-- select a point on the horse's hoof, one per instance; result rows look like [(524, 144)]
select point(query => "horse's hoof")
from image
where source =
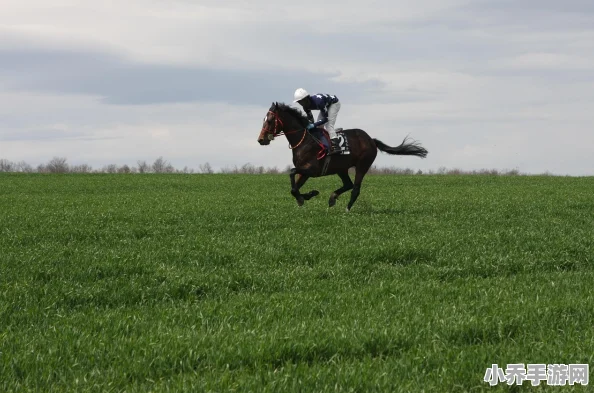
[(348, 210), (332, 200), (314, 193)]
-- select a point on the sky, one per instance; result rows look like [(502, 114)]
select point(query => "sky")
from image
[(482, 84)]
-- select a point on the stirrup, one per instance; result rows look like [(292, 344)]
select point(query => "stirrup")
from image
[(334, 146)]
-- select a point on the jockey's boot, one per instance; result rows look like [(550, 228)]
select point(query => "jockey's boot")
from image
[(334, 146)]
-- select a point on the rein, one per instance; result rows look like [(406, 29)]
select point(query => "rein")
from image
[(281, 132)]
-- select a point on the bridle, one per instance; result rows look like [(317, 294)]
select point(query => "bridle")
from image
[(280, 131)]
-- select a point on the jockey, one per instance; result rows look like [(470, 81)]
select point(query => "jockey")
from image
[(328, 106)]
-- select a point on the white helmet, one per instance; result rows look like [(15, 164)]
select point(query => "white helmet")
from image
[(300, 94)]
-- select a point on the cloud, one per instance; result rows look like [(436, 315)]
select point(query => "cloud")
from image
[(511, 6), (481, 83), (122, 82), (55, 133)]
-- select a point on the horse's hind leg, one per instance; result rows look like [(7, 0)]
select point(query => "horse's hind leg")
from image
[(359, 175), (347, 184)]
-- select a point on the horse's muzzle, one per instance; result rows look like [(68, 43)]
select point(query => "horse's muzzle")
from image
[(264, 141)]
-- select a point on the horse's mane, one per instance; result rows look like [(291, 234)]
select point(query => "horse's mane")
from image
[(296, 113)]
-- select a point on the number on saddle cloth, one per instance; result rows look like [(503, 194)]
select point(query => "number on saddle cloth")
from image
[(343, 142)]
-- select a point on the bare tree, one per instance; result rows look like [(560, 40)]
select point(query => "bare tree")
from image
[(159, 165), (111, 168), (248, 169), (57, 165), (162, 166), (206, 168), (143, 167), (60, 165), (6, 166), (124, 169), (22, 166), (83, 168)]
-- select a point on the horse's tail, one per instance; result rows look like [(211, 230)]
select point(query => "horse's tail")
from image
[(406, 148)]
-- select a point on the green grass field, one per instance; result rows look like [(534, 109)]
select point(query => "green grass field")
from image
[(221, 283)]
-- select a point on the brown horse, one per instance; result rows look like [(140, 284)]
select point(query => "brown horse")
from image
[(283, 119)]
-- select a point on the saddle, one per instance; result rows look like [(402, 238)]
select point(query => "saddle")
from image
[(323, 139)]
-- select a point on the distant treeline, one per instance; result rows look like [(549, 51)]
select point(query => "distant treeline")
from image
[(160, 165)]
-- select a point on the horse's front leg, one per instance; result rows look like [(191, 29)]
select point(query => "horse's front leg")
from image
[(297, 184)]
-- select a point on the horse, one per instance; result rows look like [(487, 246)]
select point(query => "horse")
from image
[(309, 155)]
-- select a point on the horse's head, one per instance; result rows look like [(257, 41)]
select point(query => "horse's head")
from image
[(277, 118), (272, 125)]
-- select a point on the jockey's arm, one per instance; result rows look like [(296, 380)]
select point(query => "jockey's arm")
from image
[(324, 118)]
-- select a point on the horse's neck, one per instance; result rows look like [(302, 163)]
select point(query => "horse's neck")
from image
[(293, 130)]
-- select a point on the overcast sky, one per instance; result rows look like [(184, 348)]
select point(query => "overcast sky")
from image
[(480, 83)]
